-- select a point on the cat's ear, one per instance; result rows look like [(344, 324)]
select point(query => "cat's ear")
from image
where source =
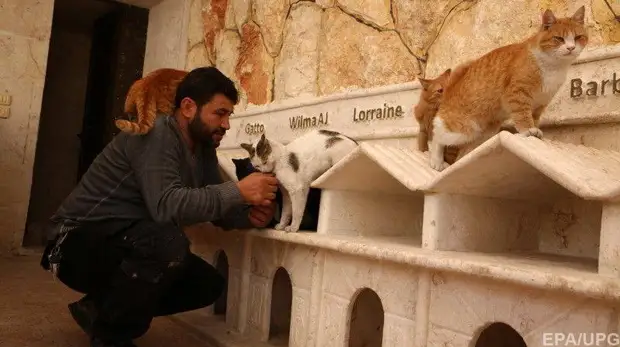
[(262, 142), (548, 19), (446, 73), (425, 83), (247, 147), (263, 147), (579, 15)]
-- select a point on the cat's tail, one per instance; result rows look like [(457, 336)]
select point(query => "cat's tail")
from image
[(349, 138), (130, 100), (131, 127), (138, 102)]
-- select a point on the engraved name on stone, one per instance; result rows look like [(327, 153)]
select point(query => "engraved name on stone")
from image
[(254, 128), (303, 122), (593, 88), (385, 113)]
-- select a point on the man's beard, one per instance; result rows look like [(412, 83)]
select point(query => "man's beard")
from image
[(200, 133)]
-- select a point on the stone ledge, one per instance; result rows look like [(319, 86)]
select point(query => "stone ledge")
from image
[(541, 271), (346, 94), (599, 53)]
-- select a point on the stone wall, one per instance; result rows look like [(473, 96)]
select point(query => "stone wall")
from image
[(25, 27), (167, 22), (280, 49)]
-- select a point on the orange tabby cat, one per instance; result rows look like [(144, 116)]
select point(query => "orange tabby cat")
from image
[(427, 106), (425, 110), (148, 96), (511, 84)]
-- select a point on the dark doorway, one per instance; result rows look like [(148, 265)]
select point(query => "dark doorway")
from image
[(96, 51), (281, 305), (498, 334), (117, 56), (366, 322)]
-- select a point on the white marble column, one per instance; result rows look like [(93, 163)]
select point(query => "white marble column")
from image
[(609, 254)]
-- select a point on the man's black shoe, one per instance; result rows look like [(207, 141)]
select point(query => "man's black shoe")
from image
[(84, 313)]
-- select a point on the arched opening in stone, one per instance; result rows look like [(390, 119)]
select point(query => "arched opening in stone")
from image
[(221, 265), (498, 334), (281, 303), (366, 320)]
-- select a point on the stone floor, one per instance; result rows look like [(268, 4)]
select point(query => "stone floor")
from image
[(33, 312)]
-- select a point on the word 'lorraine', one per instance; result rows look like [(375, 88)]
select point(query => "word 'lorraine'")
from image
[(387, 112)]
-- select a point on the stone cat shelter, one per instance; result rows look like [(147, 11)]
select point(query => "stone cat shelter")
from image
[(519, 238)]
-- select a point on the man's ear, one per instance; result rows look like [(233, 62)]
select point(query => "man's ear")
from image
[(188, 108)]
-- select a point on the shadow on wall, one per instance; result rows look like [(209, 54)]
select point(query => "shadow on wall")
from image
[(498, 334), (366, 329), (221, 265), (281, 302)]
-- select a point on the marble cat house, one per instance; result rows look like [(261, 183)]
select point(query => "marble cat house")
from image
[(520, 239)]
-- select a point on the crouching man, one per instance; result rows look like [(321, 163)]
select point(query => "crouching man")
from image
[(118, 237)]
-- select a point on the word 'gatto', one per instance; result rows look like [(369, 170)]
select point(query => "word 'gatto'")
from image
[(254, 128), (612, 86), (301, 122), (387, 112)]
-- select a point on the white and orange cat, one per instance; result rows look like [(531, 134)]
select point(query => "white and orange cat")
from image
[(512, 84), (426, 108)]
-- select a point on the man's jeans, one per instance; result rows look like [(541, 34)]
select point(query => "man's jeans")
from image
[(132, 271)]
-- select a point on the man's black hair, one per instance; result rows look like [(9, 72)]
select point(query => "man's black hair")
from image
[(202, 83)]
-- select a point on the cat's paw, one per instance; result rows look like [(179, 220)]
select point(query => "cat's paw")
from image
[(509, 128), (280, 226), (439, 165), (535, 132), (291, 229)]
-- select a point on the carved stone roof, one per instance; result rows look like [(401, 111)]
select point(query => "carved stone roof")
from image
[(505, 166)]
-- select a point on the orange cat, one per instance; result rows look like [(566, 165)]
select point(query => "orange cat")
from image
[(425, 110), (512, 84), (148, 96)]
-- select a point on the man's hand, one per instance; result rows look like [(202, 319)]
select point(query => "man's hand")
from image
[(260, 216), (258, 189)]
